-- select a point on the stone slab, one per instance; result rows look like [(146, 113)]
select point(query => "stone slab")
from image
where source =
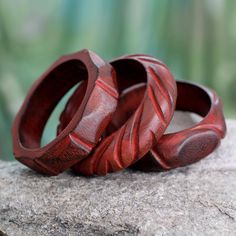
[(195, 200)]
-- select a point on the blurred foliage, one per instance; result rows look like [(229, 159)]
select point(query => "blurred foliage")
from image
[(195, 38)]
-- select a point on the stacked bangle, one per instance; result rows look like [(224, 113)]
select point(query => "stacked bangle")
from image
[(186, 146), (145, 126), (77, 139)]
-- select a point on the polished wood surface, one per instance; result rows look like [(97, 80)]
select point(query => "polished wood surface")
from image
[(83, 130)]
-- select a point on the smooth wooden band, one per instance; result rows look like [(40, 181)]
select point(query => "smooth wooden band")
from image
[(82, 132)]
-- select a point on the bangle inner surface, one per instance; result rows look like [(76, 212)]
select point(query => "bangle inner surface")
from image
[(193, 99), (45, 98)]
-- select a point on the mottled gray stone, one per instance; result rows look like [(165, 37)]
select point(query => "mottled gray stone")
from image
[(195, 200)]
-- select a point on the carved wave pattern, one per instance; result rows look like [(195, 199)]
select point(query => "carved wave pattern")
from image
[(122, 148)]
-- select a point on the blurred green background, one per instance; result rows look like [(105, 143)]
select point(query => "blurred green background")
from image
[(195, 38)]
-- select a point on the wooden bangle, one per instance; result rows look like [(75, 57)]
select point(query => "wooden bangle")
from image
[(187, 146), (83, 130), (148, 122)]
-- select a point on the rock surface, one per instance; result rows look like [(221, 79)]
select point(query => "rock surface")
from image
[(195, 200)]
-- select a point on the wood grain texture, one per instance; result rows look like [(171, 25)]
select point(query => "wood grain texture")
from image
[(82, 131)]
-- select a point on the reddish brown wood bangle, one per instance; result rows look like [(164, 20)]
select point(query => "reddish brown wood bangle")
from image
[(83, 131), (187, 146), (148, 122)]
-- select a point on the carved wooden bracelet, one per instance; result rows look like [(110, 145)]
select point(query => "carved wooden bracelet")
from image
[(147, 124), (83, 130), (184, 147)]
